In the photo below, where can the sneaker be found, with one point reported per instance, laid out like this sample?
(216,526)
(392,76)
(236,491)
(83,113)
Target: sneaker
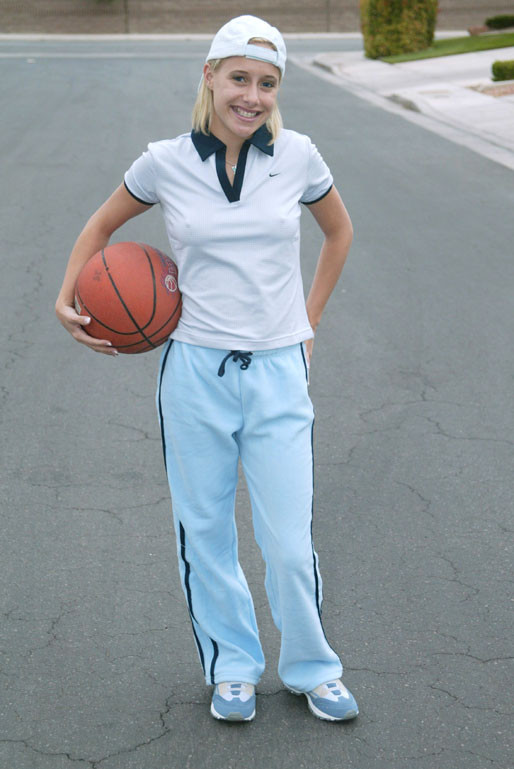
(233,701)
(331,701)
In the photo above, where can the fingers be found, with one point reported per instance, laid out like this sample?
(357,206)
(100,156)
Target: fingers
(97,345)
(76,325)
(309,344)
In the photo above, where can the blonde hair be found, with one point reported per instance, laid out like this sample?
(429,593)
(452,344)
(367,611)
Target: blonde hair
(202,111)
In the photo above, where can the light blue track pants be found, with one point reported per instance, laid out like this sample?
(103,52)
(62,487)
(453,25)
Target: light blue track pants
(257,409)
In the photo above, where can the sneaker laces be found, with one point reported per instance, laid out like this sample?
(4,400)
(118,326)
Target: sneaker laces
(231,690)
(332,690)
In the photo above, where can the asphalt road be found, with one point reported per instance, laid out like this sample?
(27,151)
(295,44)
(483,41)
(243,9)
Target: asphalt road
(412,383)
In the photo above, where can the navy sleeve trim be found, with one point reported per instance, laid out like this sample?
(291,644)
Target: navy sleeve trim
(310,202)
(136,197)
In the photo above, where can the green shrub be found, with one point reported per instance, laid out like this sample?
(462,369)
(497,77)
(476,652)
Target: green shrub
(500,22)
(390,27)
(503,70)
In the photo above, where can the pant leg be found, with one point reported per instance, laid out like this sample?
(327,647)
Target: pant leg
(276,452)
(199,414)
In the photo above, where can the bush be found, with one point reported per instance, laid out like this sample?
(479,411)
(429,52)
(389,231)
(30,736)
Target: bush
(397,26)
(500,22)
(503,70)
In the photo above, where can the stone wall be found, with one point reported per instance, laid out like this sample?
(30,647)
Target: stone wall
(182,16)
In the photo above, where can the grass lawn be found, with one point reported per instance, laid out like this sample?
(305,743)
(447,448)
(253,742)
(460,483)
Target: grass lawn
(453,45)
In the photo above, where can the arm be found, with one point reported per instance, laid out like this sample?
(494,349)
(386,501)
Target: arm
(118,209)
(333,219)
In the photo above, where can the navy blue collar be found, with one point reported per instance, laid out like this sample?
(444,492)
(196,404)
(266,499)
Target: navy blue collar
(207,144)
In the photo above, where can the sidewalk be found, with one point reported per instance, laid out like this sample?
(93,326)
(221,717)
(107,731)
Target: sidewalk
(443,88)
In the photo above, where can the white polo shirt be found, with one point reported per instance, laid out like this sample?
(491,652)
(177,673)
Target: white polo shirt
(237,248)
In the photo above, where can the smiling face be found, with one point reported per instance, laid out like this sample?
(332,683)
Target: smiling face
(244,94)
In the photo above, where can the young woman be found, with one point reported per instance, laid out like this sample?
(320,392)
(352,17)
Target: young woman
(233,378)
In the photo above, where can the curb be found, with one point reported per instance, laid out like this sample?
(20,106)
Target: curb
(34,36)
(450,130)
(446,90)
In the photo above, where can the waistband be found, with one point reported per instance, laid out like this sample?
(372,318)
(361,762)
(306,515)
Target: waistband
(255,353)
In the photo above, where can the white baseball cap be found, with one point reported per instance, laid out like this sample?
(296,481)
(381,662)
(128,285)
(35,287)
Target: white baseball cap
(232,40)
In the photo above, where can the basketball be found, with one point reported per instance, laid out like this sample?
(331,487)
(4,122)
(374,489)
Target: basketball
(130,292)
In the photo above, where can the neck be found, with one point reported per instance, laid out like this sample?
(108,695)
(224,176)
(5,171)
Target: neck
(233,150)
(233,143)
(233,147)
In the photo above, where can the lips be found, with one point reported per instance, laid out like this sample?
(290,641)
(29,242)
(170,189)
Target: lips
(245,114)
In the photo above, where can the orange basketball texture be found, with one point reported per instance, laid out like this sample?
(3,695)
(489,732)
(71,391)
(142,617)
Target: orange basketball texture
(130,292)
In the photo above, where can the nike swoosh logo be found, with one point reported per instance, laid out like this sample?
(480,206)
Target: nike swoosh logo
(275,174)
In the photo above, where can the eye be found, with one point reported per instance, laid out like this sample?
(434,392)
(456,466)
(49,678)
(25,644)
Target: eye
(268,84)
(238,78)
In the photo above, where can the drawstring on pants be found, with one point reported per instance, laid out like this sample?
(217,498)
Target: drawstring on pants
(236,355)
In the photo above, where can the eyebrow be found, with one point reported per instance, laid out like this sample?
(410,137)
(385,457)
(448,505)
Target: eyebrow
(245,72)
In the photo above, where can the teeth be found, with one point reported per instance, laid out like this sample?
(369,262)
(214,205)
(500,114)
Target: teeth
(244,113)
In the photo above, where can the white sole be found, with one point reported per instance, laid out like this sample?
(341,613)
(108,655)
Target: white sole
(231,716)
(319,713)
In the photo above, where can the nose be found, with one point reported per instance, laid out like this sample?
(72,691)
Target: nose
(252,93)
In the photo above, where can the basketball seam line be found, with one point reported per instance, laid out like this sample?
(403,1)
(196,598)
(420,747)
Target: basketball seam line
(123,303)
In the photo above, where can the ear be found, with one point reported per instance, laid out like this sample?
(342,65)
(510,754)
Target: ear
(208,75)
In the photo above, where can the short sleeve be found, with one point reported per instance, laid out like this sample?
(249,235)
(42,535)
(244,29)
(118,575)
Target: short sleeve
(140,179)
(319,179)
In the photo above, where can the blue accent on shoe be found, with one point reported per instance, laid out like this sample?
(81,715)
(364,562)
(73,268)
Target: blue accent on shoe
(233,709)
(342,709)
